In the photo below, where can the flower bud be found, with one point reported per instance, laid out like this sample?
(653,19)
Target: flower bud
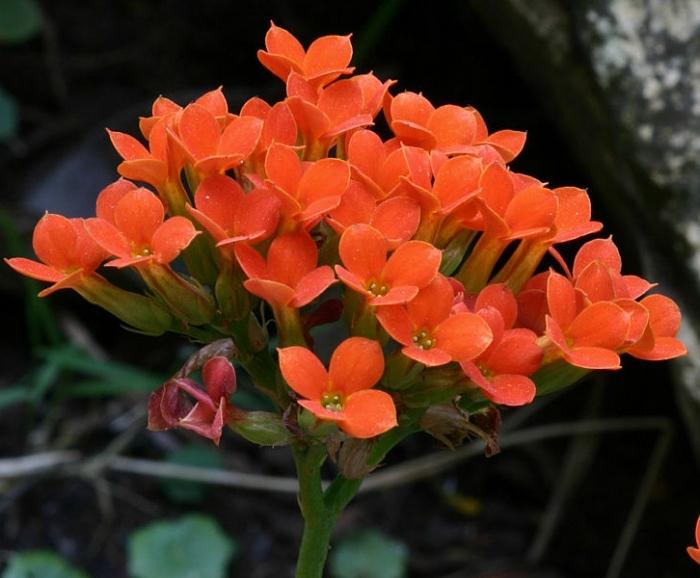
(261,427)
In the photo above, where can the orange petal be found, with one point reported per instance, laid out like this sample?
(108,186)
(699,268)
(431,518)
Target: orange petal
(463,336)
(255,106)
(138,215)
(411,107)
(214,101)
(279,126)
(428,357)
(363,250)
(596,282)
(174,235)
(199,131)
(561,299)
(251,262)
(497,189)
(452,125)
(303,371)
(602,250)
(311,122)
(324,178)
(326,57)
(275,293)
(258,216)
(280,41)
(341,101)
(532,308)
(574,215)
(664,348)
(219,198)
(366,153)
(457,181)
(108,237)
(509,143)
(395,296)
(397,219)
(290,257)
(283,167)
(55,242)
(414,263)
(516,352)
(533,208)
(356,206)
(277,64)
(501,298)
(35,270)
(127,146)
(311,285)
(603,324)
(511,390)
(593,358)
(109,197)
(396,322)
(432,305)
(241,136)
(151,171)
(664,315)
(351,280)
(356,364)
(368,413)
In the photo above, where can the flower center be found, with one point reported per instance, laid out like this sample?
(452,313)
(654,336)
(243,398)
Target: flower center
(377,289)
(332,401)
(423,340)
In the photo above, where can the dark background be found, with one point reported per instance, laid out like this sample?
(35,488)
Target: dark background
(101,64)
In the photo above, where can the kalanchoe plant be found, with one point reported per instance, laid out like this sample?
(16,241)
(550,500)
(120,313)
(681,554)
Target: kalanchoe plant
(432,245)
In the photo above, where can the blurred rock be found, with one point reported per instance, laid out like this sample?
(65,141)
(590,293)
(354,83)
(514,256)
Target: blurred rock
(623,79)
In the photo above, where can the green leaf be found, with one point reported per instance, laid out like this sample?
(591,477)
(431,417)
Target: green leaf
(191,547)
(40,564)
(197,455)
(21,19)
(369,554)
(9,115)
(556,376)
(12,395)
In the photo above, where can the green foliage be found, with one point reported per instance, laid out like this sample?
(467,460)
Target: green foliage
(191,547)
(197,455)
(369,554)
(21,19)
(40,564)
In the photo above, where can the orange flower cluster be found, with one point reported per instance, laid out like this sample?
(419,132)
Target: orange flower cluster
(425,244)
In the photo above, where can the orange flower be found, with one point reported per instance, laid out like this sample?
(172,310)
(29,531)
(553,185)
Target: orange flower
(65,250)
(210,149)
(383,281)
(385,167)
(587,336)
(307,191)
(130,225)
(230,215)
(502,371)
(450,129)
(397,218)
(342,394)
(324,116)
(324,61)
(289,277)
(278,126)
(694,552)
(429,333)
(659,340)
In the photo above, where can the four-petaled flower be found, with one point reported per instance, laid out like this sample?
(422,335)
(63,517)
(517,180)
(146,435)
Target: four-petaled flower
(342,393)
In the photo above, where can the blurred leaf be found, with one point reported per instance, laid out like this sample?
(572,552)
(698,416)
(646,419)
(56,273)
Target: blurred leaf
(193,546)
(112,377)
(12,395)
(197,455)
(369,554)
(40,564)
(21,19)
(9,115)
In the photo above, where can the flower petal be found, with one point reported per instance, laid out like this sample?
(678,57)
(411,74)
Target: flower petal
(463,336)
(303,372)
(138,215)
(368,413)
(311,285)
(414,263)
(219,377)
(172,237)
(363,250)
(356,364)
